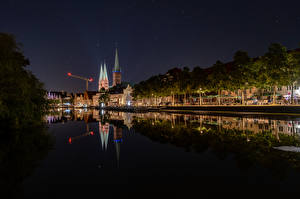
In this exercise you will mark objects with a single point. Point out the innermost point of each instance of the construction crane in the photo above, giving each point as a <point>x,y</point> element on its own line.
<point>83,78</point>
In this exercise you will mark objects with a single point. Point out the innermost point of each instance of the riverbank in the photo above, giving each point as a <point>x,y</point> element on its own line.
<point>268,109</point>
<point>250,109</point>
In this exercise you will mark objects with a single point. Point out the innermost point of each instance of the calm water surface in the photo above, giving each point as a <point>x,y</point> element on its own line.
<point>120,155</point>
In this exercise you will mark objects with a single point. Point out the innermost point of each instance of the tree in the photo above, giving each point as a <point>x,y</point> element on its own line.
<point>185,83</point>
<point>293,70</point>
<point>275,67</point>
<point>199,82</point>
<point>104,96</point>
<point>24,137</point>
<point>22,96</point>
<point>241,75</point>
<point>218,79</point>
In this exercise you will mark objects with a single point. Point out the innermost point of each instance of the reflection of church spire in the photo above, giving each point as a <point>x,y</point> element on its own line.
<point>118,152</point>
<point>117,140</point>
<point>104,135</point>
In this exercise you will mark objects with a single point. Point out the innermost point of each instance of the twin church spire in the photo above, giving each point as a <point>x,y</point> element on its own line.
<point>103,77</point>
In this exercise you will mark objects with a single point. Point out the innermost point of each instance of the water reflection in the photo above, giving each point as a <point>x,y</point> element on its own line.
<point>169,151</point>
<point>21,151</point>
<point>251,140</point>
<point>258,123</point>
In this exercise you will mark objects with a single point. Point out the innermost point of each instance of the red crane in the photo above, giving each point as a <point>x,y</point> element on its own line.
<point>83,78</point>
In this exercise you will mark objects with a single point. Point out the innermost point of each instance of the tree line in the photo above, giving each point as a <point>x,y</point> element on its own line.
<point>22,95</point>
<point>277,67</point>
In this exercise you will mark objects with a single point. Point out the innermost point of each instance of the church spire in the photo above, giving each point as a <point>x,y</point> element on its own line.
<point>100,78</point>
<point>117,66</point>
<point>105,77</point>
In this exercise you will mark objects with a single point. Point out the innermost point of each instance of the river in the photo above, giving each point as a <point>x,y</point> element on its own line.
<point>120,155</point>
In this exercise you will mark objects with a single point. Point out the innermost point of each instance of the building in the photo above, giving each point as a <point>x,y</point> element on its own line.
<point>122,98</point>
<point>86,99</point>
<point>116,71</point>
<point>60,98</point>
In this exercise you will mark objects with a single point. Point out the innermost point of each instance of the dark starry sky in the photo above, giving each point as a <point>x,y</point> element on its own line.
<point>152,35</point>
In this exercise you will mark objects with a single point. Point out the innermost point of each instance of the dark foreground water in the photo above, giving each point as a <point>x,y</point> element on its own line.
<point>153,155</point>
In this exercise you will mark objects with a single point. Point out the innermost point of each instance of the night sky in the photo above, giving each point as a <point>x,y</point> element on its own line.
<point>152,35</point>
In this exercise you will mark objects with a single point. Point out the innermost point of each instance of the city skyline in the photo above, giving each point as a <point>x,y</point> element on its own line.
<point>152,36</point>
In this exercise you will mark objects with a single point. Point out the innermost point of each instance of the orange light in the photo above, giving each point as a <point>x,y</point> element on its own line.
<point>69,74</point>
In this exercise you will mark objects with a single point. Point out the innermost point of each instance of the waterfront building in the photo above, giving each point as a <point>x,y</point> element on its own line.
<point>60,98</point>
<point>123,98</point>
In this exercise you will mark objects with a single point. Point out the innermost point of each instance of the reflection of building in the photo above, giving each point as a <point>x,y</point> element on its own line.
<point>122,116</point>
<point>255,125</point>
<point>116,71</point>
<point>127,117</point>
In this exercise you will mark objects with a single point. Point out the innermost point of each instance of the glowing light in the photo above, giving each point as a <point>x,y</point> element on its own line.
<point>69,74</point>
<point>92,133</point>
<point>91,79</point>
<point>70,140</point>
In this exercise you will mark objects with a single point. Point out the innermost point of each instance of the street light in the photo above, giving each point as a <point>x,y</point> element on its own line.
<point>200,100</point>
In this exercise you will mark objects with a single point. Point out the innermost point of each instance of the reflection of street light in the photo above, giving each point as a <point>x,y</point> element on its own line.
<point>102,104</point>
<point>172,98</point>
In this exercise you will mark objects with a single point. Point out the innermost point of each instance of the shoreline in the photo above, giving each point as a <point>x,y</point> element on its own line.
<point>228,110</point>
<point>235,110</point>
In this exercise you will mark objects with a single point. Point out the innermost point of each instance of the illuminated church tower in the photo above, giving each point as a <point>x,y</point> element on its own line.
<point>116,71</point>
<point>103,78</point>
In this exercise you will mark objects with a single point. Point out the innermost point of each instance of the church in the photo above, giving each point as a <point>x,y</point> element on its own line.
<point>103,77</point>
<point>117,97</point>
